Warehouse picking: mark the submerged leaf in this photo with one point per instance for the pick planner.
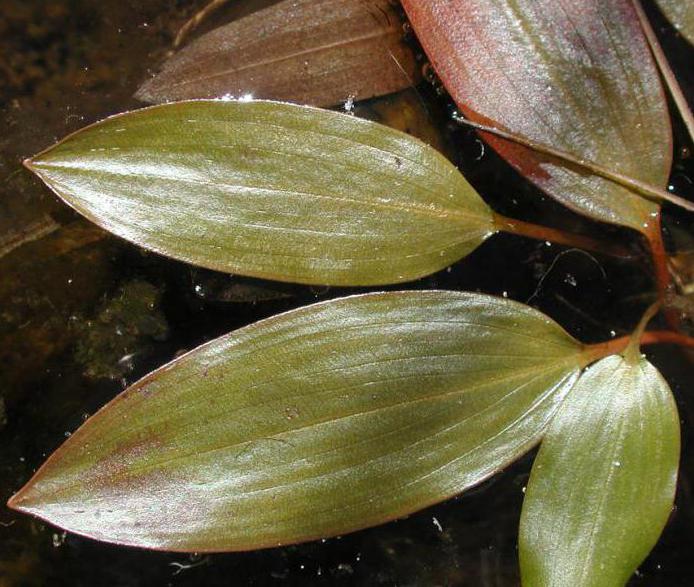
(270, 190)
(317, 422)
(318, 52)
(603, 483)
(681, 14)
(577, 76)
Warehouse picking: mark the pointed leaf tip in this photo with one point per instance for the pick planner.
(12, 503)
(18, 501)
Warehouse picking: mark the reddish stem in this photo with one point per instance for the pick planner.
(663, 279)
(554, 235)
(662, 274)
(649, 192)
(619, 345)
(667, 337)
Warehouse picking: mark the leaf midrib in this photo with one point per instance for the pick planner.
(436, 397)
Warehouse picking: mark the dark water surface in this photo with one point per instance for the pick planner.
(83, 314)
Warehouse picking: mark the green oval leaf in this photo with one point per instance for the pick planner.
(681, 14)
(577, 76)
(318, 52)
(603, 483)
(317, 422)
(270, 190)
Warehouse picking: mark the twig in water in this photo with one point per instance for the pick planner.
(194, 21)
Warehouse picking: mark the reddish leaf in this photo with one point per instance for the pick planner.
(320, 421)
(576, 75)
(317, 52)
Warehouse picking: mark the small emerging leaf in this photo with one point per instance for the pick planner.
(577, 76)
(319, 52)
(270, 190)
(603, 483)
(317, 422)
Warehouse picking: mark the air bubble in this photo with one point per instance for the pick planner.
(438, 525)
(349, 103)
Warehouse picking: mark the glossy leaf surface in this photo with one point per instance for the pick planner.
(681, 14)
(317, 422)
(271, 190)
(575, 75)
(603, 483)
(317, 52)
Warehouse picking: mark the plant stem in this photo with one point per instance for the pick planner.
(665, 70)
(667, 337)
(193, 22)
(643, 189)
(33, 231)
(554, 235)
(633, 349)
(663, 279)
(619, 345)
(660, 265)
